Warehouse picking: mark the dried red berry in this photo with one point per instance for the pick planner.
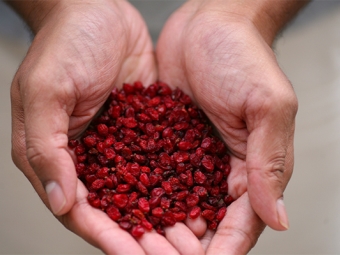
(158, 212)
(180, 216)
(103, 129)
(195, 212)
(199, 177)
(97, 184)
(129, 122)
(208, 214)
(150, 160)
(192, 200)
(221, 213)
(167, 187)
(120, 200)
(138, 213)
(123, 188)
(144, 205)
(137, 231)
(165, 203)
(168, 219)
(113, 213)
(146, 224)
(90, 141)
(208, 163)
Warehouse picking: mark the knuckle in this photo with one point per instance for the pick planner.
(288, 102)
(17, 157)
(35, 81)
(273, 169)
(35, 156)
(248, 239)
(43, 84)
(42, 151)
(276, 166)
(276, 171)
(18, 150)
(273, 102)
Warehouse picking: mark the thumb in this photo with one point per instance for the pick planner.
(46, 117)
(269, 165)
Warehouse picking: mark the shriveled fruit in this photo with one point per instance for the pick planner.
(151, 160)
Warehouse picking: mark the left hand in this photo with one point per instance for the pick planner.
(223, 62)
(81, 51)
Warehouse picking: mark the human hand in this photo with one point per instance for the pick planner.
(82, 49)
(223, 60)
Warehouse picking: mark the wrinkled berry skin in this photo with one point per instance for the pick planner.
(151, 160)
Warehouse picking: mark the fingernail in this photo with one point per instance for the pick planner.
(282, 213)
(55, 196)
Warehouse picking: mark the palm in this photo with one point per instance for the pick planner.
(233, 76)
(112, 47)
(73, 64)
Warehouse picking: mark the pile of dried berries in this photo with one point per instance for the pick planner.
(150, 160)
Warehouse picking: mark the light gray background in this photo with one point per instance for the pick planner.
(309, 53)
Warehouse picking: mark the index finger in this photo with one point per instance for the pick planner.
(238, 231)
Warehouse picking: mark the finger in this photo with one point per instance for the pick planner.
(95, 227)
(183, 239)
(238, 231)
(19, 143)
(270, 163)
(169, 51)
(47, 109)
(198, 226)
(206, 239)
(154, 244)
(138, 68)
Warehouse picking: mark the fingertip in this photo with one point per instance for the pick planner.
(56, 198)
(268, 207)
(282, 214)
(154, 243)
(239, 230)
(266, 183)
(198, 226)
(60, 183)
(183, 239)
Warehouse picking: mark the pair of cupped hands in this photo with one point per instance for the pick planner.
(82, 51)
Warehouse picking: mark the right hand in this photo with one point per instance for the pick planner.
(81, 51)
(215, 53)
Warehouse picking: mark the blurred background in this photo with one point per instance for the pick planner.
(308, 52)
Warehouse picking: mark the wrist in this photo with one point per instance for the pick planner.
(37, 13)
(268, 17)
(34, 13)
